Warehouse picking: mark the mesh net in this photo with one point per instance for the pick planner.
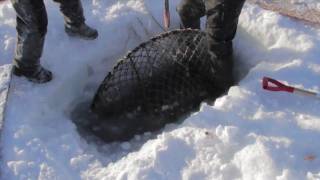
(160, 81)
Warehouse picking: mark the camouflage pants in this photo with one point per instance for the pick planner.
(222, 19)
(32, 26)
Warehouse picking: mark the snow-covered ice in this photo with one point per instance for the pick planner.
(247, 134)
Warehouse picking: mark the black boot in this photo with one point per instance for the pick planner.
(222, 21)
(221, 56)
(39, 75)
(82, 31)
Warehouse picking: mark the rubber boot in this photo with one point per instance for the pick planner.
(82, 31)
(39, 75)
(221, 56)
(222, 21)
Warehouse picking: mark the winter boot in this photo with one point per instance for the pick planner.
(83, 31)
(40, 75)
(221, 27)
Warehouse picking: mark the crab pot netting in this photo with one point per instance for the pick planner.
(161, 81)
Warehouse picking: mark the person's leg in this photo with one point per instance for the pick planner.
(72, 11)
(74, 19)
(190, 12)
(31, 27)
(222, 21)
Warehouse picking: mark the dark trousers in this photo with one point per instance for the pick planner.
(222, 20)
(32, 27)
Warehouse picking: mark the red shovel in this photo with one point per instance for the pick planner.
(274, 85)
(166, 15)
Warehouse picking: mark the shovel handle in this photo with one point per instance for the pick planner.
(274, 85)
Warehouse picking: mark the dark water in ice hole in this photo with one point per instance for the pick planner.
(82, 117)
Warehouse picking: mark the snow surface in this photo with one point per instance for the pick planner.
(247, 134)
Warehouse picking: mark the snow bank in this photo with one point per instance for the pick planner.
(247, 134)
(5, 74)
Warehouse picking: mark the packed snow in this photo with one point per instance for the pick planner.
(247, 134)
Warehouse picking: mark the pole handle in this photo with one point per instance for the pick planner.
(166, 15)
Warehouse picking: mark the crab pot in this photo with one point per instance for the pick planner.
(159, 82)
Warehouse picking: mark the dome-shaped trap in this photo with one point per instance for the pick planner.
(161, 81)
